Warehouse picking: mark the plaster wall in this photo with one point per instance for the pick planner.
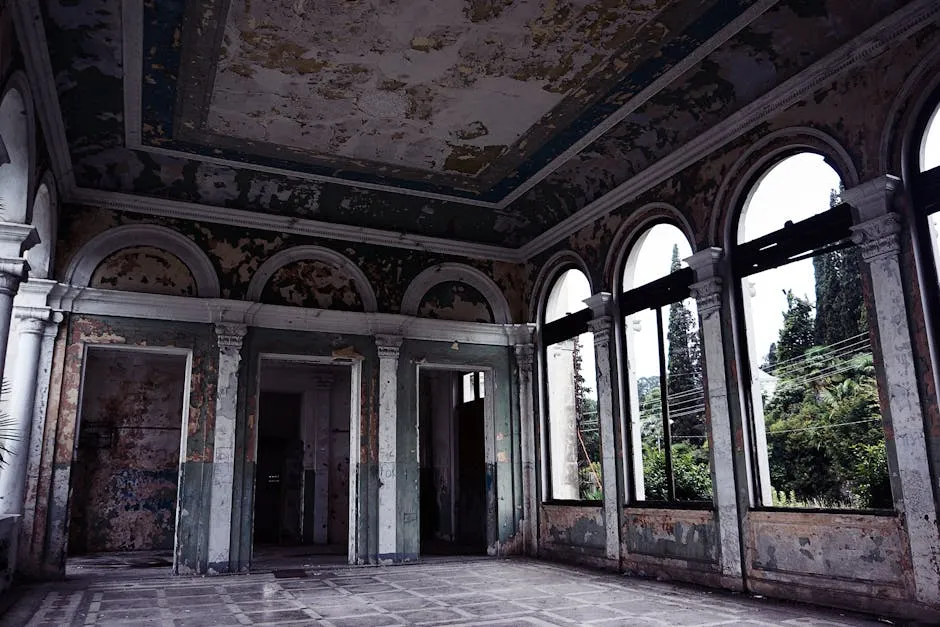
(126, 467)
(144, 269)
(573, 532)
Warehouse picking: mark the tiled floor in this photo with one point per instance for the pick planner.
(457, 592)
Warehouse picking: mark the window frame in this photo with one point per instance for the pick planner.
(774, 250)
(568, 327)
(662, 292)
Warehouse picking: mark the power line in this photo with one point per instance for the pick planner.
(832, 426)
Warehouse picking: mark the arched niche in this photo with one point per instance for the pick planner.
(455, 300)
(16, 131)
(312, 276)
(146, 269)
(143, 239)
(45, 215)
(456, 273)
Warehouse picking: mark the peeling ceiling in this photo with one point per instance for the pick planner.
(395, 115)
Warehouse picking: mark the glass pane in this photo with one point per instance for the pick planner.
(468, 390)
(482, 384)
(686, 402)
(646, 428)
(567, 295)
(573, 431)
(797, 188)
(930, 149)
(818, 431)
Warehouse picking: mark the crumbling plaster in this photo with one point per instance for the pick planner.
(744, 67)
(237, 253)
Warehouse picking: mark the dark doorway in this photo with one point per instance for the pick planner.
(280, 469)
(453, 476)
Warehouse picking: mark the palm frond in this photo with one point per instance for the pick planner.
(7, 427)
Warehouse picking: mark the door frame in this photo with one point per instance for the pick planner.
(355, 413)
(489, 438)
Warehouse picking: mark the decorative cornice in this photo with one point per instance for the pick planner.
(145, 205)
(707, 296)
(898, 26)
(32, 320)
(878, 237)
(16, 239)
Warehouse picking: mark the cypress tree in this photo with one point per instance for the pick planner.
(684, 368)
(797, 334)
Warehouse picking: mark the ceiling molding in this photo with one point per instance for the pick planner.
(896, 27)
(733, 28)
(132, 35)
(98, 302)
(27, 20)
(145, 205)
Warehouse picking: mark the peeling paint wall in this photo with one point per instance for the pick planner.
(312, 284)
(126, 468)
(454, 300)
(145, 269)
(572, 532)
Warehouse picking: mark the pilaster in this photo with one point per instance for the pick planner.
(525, 354)
(601, 305)
(389, 348)
(229, 337)
(876, 232)
(707, 291)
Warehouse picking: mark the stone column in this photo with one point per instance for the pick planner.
(389, 347)
(524, 359)
(15, 240)
(876, 231)
(230, 338)
(31, 323)
(707, 292)
(601, 305)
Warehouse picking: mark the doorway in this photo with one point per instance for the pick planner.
(125, 473)
(451, 432)
(302, 495)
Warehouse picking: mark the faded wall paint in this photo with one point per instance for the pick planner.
(145, 269)
(455, 300)
(572, 532)
(126, 468)
(52, 501)
(312, 283)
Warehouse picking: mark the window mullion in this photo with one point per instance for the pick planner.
(664, 404)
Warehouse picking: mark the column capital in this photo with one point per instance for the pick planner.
(389, 346)
(12, 273)
(878, 237)
(601, 304)
(707, 294)
(873, 198)
(600, 328)
(525, 355)
(230, 336)
(33, 319)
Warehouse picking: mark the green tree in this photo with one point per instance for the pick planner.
(797, 333)
(589, 441)
(684, 367)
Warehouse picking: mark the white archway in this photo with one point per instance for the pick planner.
(17, 131)
(89, 257)
(41, 257)
(312, 253)
(458, 272)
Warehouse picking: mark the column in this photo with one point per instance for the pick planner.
(876, 232)
(322, 406)
(524, 358)
(601, 305)
(229, 338)
(31, 323)
(707, 292)
(389, 347)
(15, 240)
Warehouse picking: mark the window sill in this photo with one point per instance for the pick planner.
(561, 503)
(887, 513)
(690, 505)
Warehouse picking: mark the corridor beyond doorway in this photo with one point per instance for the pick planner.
(451, 419)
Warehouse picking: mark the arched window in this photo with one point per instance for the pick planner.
(817, 433)
(569, 390)
(668, 439)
